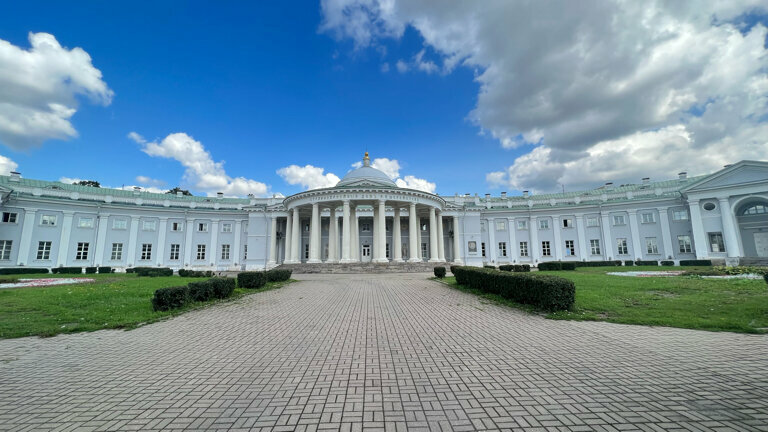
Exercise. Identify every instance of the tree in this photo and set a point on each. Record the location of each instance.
(91, 183)
(178, 189)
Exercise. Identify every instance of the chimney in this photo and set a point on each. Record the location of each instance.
(525, 194)
(136, 190)
(15, 176)
(646, 180)
(503, 194)
(487, 196)
(179, 193)
(251, 196)
(683, 175)
(219, 195)
(609, 185)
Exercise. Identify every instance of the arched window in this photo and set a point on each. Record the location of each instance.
(755, 209)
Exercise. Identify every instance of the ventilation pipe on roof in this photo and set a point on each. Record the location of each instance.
(179, 193)
(646, 180)
(503, 194)
(487, 196)
(525, 194)
(219, 195)
(15, 176)
(609, 185)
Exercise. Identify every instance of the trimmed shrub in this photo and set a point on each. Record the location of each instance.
(170, 298)
(543, 291)
(597, 263)
(200, 291)
(506, 267)
(765, 277)
(667, 263)
(103, 270)
(557, 265)
(629, 263)
(695, 263)
(91, 270)
(22, 270)
(153, 271)
(515, 267)
(646, 263)
(251, 279)
(67, 270)
(489, 267)
(130, 270)
(223, 287)
(278, 275)
(439, 272)
(195, 273)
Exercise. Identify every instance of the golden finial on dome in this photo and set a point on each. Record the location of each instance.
(366, 160)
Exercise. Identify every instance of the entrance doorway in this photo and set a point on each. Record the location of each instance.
(761, 244)
(366, 253)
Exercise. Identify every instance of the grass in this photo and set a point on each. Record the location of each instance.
(736, 305)
(113, 301)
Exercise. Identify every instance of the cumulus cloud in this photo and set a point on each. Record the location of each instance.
(308, 176)
(149, 181)
(412, 182)
(560, 80)
(391, 167)
(7, 165)
(39, 89)
(202, 173)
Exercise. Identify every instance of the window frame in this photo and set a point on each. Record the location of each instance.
(177, 226)
(123, 222)
(677, 213)
(546, 248)
(224, 226)
(594, 247)
(149, 225)
(11, 215)
(543, 224)
(570, 250)
(44, 250)
(175, 252)
(81, 252)
(567, 223)
(6, 250)
(652, 246)
(85, 222)
(226, 252)
(523, 248)
(522, 224)
(146, 252)
(616, 219)
(116, 254)
(622, 246)
(652, 219)
(49, 218)
(200, 256)
(720, 244)
(589, 222)
(502, 249)
(202, 227)
(684, 244)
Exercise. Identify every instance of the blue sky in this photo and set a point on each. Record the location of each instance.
(269, 85)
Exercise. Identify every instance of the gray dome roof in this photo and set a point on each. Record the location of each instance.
(366, 174)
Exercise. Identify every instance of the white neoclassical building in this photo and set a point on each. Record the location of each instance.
(366, 217)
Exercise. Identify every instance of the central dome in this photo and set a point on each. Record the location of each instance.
(366, 175)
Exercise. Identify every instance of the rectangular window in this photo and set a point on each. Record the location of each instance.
(594, 246)
(306, 251)
(82, 251)
(201, 252)
(500, 225)
(44, 250)
(149, 225)
(684, 242)
(48, 220)
(621, 246)
(648, 218)
(366, 227)
(117, 252)
(545, 249)
(424, 226)
(716, 243)
(177, 226)
(522, 224)
(651, 245)
(570, 249)
(679, 215)
(523, 249)
(482, 249)
(543, 224)
(386, 250)
(502, 249)
(593, 221)
(175, 249)
(225, 251)
(119, 224)
(5, 249)
(568, 223)
(618, 220)
(226, 227)
(9, 217)
(202, 227)
(423, 250)
(245, 251)
(85, 222)
(146, 251)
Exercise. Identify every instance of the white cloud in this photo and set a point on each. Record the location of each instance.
(201, 172)
(562, 79)
(7, 165)
(39, 89)
(401, 66)
(412, 182)
(70, 180)
(149, 181)
(308, 176)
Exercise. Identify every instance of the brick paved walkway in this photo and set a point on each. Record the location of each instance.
(385, 352)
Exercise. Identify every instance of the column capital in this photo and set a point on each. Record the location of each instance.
(632, 212)
(662, 209)
(382, 201)
(724, 199)
(693, 202)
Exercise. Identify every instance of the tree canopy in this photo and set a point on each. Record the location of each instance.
(178, 189)
(91, 183)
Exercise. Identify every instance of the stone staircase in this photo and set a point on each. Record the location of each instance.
(420, 267)
(754, 262)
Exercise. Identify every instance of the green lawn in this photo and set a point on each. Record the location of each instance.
(113, 301)
(682, 301)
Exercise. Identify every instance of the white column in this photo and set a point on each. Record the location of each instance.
(397, 240)
(666, 233)
(637, 249)
(605, 224)
(512, 248)
(296, 233)
(333, 237)
(582, 236)
(730, 231)
(273, 242)
(440, 239)
(346, 244)
(236, 246)
(159, 254)
(132, 237)
(533, 248)
(66, 230)
(314, 235)
(558, 238)
(354, 238)
(490, 249)
(190, 225)
(375, 236)
(433, 254)
(288, 237)
(381, 237)
(101, 237)
(26, 237)
(456, 242)
(699, 241)
(413, 234)
(215, 243)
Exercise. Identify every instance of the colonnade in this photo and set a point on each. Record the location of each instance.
(350, 250)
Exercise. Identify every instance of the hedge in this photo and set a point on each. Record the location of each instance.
(91, 270)
(439, 272)
(67, 270)
(667, 263)
(646, 263)
(103, 270)
(557, 265)
(695, 262)
(22, 270)
(251, 279)
(195, 273)
(629, 263)
(543, 291)
(515, 267)
(489, 267)
(153, 271)
(597, 263)
(278, 275)
(170, 298)
(765, 277)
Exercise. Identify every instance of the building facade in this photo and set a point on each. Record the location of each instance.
(721, 216)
